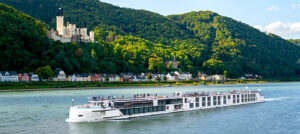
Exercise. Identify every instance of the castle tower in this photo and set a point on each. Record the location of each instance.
(92, 36)
(174, 62)
(60, 23)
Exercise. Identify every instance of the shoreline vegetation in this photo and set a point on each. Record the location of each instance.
(41, 86)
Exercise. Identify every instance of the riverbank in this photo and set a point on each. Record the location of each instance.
(43, 86)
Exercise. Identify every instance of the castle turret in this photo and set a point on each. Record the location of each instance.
(60, 23)
(92, 38)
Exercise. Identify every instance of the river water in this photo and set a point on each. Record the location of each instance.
(44, 112)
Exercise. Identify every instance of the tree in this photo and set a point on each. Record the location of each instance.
(45, 72)
(165, 78)
(149, 76)
(214, 66)
(158, 78)
(156, 64)
(225, 73)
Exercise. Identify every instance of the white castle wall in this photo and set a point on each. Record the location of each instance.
(67, 32)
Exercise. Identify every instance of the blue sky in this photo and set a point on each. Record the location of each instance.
(281, 17)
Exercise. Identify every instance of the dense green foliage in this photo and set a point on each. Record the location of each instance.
(295, 41)
(242, 48)
(90, 13)
(45, 72)
(22, 40)
(140, 41)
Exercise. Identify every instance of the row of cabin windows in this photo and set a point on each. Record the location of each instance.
(236, 99)
(244, 98)
(142, 110)
(170, 101)
(131, 104)
(215, 101)
(192, 105)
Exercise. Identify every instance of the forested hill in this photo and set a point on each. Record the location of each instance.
(22, 40)
(138, 40)
(240, 46)
(295, 41)
(90, 13)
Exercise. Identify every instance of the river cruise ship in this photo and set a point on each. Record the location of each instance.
(117, 108)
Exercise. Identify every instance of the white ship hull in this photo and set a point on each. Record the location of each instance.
(92, 113)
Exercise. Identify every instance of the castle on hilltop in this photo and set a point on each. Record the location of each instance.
(69, 33)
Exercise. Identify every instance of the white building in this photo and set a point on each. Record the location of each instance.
(71, 78)
(34, 77)
(70, 33)
(9, 77)
(218, 77)
(60, 75)
(184, 76)
(171, 76)
(83, 77)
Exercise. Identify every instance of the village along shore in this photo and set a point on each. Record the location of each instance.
(46, 86)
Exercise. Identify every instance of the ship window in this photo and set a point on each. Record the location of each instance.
(219, 100)
(215, 100)
(242, 98)
(224, 99)
(180, 100)
(191, 105)
(228, 97)
(197, 99)
(80, 115)
(233, 98)
(203, 101)
(197, 104)
(248, 97)
(168, 102)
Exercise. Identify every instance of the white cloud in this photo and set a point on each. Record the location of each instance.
(295, 6)
(272, 8)
(282, 29)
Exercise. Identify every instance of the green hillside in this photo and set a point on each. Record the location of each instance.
(241, 47)
(136, 40)
(295, 41)
(22, 39)
(90, 13)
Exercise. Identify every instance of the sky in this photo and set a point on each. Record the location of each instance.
(281, 17)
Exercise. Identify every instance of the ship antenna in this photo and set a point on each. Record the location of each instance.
(72, 102)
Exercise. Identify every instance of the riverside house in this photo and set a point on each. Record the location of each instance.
(218, 77)
(203, 76)
(60, 75)
(23, 77)
(114, 78)
(183, 76)
(95, 77)
(71, 77)
(6, 76)
(83, 77)
(171, 76)
(34, 77)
